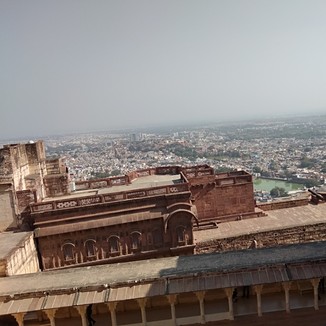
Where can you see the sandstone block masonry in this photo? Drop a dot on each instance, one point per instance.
(292, 235)
(18, 254)
(7, 208)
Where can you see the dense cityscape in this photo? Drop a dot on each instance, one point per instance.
(292, 148)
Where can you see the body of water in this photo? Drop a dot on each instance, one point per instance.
(268, 184)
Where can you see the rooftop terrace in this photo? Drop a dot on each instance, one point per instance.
(275, 220)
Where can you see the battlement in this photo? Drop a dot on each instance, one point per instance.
(86, 200)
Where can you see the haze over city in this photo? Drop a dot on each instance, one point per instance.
(71, 66)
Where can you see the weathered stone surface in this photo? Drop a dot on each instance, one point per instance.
(280, 227)
(18, 254)
(25, 167)
(7, 208)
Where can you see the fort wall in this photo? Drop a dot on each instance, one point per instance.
(23, 259)
(7, 204)
(294, 235)
(224, 197)
(283, 204)
(19, 256)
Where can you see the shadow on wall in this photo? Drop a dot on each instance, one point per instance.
(8, 321)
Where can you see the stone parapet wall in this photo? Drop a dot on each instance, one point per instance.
(25, 198)
(126, 179)
(24, 259)
(55, 166)
(213, 201)
(21, 160)
(199, 171)
(112, 197)
(283, 204)
(300, 234)
(7, 208)
(5, 162)
(56, 185)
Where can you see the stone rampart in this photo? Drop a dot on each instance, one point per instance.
(300, 234)
(283, 204)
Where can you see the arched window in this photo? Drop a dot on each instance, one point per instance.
(135, 240)
(90, 248)
(114, 244)
(181, 235)
(157, 237)
(68, 250)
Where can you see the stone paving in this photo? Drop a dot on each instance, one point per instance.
(275, 220)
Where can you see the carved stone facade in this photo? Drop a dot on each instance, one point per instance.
(143, 214)
(117, 243)
(139, 223)
(26, 176)
(114, 227)
(123, 230)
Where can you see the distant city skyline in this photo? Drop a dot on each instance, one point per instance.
(70, 66)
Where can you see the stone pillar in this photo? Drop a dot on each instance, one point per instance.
(19, 318)
(39, 315)
(142, 305)
(172, 300)
(82, 312)
(112, 306)
(286, 287)
(51, 314)
(258, 290)
(200, 296)
(229, 292)
(315, 283)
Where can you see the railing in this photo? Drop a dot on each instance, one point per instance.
(6, 179)
(222, 181)
(125, 179)
(234, 180)
(101, 183)
(198, 171)
(106, 198)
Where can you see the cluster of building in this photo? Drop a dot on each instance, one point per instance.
(260, 149)
(170, 244)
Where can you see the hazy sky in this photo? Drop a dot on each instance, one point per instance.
(74, 65)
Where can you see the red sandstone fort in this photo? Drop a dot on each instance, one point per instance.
(52, 223)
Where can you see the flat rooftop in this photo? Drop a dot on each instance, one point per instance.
(275, 220)
(163, 268)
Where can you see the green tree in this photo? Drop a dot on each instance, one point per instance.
(115, 172)
(307, 162)
(278, 192)
(257, 169)
(273, 165)
(311, 183)
(323, 168)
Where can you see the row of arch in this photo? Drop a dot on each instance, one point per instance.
(114, 246)
(114, 243)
